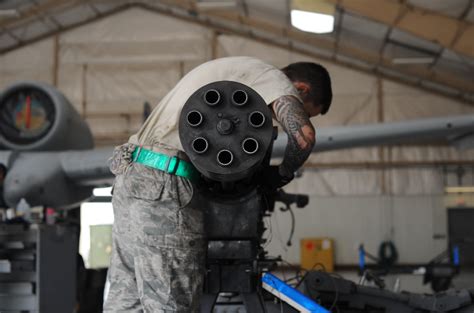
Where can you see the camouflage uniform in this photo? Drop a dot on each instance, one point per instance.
(158, 257)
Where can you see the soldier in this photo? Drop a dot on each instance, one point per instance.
(157, 262)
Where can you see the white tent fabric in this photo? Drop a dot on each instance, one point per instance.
(33, 62)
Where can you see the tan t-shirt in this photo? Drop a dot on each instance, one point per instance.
(160, 130)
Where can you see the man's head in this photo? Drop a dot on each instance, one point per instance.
(313, 84)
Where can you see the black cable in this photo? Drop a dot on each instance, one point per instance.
(387, 260)
(298, 270)
(292, 231)
(269, 227)
(371, 257)
(336, 297)
(323, 269)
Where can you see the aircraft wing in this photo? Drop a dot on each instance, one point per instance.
(53, 178)
(455, 130)
(89, 167)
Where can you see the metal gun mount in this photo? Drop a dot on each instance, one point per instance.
(226, 130)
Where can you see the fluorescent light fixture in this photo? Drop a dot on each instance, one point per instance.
(102, 192)
(460, 189)
(312, 22)
(413, 60)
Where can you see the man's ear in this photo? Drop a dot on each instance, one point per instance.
(302, 87)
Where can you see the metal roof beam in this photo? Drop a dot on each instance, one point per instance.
(429, 25)
(13, 36)
(348, 50)
(34, 11)
(338, 31)
(21, 43)
(219, 20)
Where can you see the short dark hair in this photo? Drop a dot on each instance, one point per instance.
(317, 77)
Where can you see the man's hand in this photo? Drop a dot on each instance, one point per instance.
(272, 178)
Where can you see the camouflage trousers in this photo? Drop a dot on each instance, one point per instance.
(157, 262)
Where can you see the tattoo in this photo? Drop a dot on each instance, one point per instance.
(301, 134)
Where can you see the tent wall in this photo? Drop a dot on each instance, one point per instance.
(409, 221)
(110, 67)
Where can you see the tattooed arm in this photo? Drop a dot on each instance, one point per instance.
(301, 135)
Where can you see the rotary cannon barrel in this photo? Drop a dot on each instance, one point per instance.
(200, 145)
(226, 130)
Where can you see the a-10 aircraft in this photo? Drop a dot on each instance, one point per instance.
(49, 150)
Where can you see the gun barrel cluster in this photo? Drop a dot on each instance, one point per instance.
(226, 130)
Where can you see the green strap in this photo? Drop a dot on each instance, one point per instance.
(172, 165)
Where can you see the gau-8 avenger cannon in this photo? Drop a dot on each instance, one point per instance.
(226, 131)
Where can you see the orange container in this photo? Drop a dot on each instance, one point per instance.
(317, 254)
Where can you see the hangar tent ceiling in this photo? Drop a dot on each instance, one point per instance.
(425, 43)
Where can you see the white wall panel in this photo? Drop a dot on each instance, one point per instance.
(332, 182)
(402, 102)
(117, 125)
(431, 154)
(32, 62)
(71, 83)
(414, 223)
(409, 221)
(422, 181)
(135, 36)
(345, 155)
(107, 83)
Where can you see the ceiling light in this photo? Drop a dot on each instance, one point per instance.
(312, 22)
(315, 16)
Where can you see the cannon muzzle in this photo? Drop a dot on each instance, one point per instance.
(226, 130)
